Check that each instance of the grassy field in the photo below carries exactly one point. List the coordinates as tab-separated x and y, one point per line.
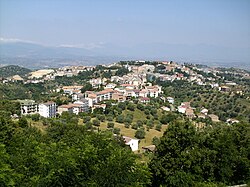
138	115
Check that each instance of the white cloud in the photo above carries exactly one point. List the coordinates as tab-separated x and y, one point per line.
15	40
84	46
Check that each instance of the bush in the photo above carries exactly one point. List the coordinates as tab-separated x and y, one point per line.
120	119
158	127
140	133
110	117
110	125
135	126
96	122
88	125
101	117
116	130
139	123
86	119
127	125
35	117
23	122
131	107
156	141
150	124
122	105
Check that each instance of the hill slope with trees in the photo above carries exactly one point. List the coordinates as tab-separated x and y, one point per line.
12	70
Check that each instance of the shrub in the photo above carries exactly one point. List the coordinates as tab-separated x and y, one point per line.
96	122
116	130
140	133
110	125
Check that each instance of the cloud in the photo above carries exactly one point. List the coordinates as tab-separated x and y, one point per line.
15	40
84	46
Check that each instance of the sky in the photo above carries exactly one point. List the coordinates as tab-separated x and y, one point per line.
93	23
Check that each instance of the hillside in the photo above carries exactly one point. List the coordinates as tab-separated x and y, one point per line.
11	70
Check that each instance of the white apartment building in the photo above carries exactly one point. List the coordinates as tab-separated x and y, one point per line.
28	107
47	110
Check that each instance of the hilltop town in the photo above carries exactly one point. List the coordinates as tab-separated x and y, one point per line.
144	96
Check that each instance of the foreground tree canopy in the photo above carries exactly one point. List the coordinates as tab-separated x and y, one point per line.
66	155
212	156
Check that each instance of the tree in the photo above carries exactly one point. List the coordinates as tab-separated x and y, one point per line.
87	87
131	107
116	130
35	117
158	127
86	119
120	119
23	122
101	117
140	133
110	125
173	156
96	122
122	105
156	141
189	157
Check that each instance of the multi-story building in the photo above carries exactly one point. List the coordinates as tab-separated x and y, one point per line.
28	107
47	110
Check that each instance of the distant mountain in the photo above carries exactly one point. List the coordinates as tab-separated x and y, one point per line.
11	70
34	55
31	50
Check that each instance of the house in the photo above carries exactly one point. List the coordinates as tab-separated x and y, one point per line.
144	99
170	100
110	85
203	116
214	118
77	96
204	111
47	109
153	91
103	106
71	89
65	108
74	108
231	121
118	96
97	97
183	107
132	142
149	148
84	105
190	113
28	107
165	108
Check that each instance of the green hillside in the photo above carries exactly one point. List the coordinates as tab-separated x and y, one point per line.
11	70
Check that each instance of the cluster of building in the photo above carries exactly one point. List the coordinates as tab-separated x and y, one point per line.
121	93
46	110
50	109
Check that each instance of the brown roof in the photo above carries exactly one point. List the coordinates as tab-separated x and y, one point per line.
69	106
105	91
48	103
149	148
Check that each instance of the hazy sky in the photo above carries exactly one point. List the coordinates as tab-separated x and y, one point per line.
127	22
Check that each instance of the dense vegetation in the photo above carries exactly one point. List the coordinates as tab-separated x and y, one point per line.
65	155
11	70
214	156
